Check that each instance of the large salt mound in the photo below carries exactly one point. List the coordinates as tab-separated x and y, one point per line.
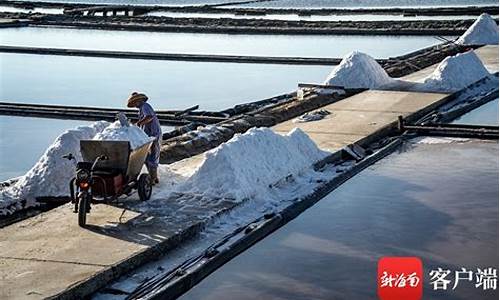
245	166
455	73
358	70
50	176
117	132
483	32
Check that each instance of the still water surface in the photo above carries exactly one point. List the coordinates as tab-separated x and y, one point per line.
169	84
438	202
200	43
483	115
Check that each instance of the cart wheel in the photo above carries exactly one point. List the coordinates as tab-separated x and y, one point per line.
144	187
82	210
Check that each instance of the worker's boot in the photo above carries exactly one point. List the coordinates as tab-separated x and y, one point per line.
153	173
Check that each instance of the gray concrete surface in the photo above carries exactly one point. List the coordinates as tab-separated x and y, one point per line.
353	118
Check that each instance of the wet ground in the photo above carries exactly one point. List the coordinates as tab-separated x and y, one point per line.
435	201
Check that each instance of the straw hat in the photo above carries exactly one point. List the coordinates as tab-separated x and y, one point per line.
136	97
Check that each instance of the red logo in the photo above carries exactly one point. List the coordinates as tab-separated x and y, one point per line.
400	278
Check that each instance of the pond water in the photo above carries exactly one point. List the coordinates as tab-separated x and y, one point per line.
169	84
438	202
486	114
200	43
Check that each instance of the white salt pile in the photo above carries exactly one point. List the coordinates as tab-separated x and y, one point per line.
50	176
358	70
245	166
117	132
455	73
483	32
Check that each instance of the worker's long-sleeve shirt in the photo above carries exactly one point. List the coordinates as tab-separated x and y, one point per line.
152	128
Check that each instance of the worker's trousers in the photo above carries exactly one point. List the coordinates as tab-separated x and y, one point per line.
153	158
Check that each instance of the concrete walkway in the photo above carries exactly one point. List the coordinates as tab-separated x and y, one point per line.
49	254
354	118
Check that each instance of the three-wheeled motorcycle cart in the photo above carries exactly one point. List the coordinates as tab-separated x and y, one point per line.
108	170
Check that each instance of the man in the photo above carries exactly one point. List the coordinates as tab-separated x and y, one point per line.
148	121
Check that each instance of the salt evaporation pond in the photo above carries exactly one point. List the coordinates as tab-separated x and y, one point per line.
486	114
365	3
201	43
438	202
169	84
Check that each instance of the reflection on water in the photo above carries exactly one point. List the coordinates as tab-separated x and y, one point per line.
24	140
483	115
438	202
202	43
169	84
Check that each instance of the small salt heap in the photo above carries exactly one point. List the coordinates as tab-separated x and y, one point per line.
455	73
359	70
117	132
483	32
